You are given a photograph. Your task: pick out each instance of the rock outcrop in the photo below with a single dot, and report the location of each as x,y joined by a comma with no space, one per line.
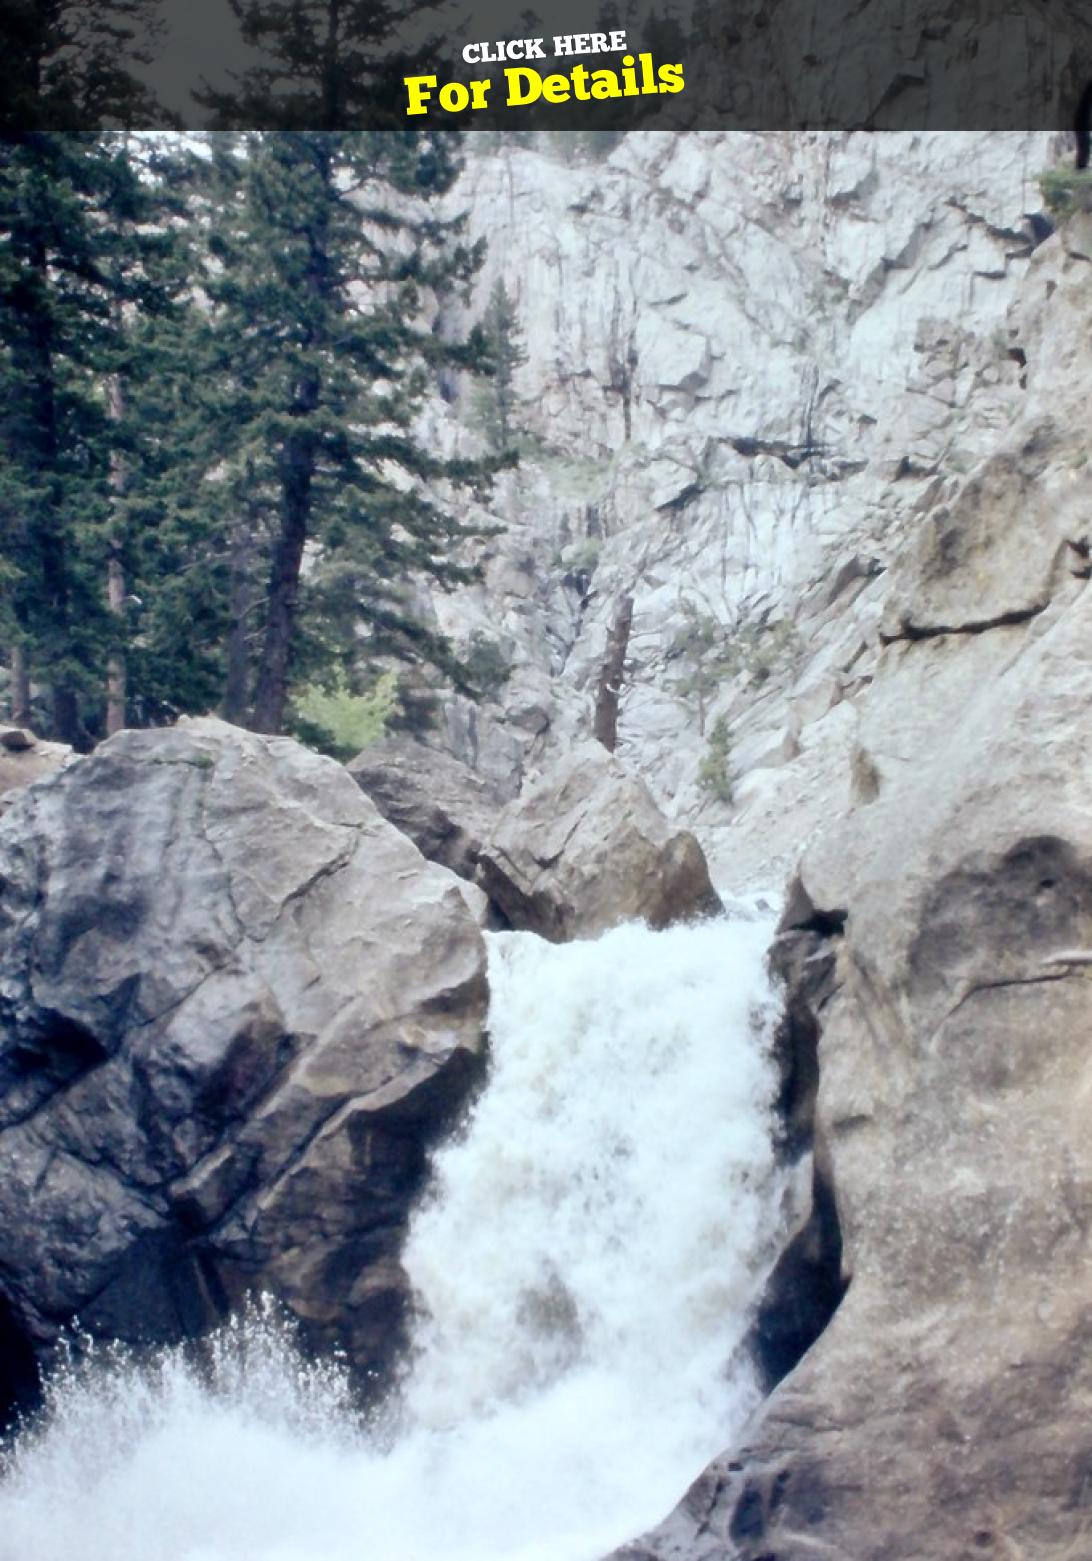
444,806
584,848
944,1413
235,1005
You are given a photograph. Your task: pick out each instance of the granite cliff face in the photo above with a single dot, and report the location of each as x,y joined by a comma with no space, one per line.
938,935
752,363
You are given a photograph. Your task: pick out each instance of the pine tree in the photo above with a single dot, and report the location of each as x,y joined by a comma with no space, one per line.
75,64
327,64
497,401
213,488
75,268
325,250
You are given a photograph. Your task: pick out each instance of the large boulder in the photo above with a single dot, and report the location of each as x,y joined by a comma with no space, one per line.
939,938
585,847
444,806
235,1003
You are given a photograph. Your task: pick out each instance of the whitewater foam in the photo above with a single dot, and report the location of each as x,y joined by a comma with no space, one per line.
586,1264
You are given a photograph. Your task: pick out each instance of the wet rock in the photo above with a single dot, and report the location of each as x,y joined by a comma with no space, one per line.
235,1005
584,847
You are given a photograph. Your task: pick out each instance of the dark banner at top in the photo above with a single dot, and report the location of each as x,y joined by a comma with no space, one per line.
605,65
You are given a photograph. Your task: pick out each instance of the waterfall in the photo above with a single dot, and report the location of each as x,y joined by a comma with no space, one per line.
586,1261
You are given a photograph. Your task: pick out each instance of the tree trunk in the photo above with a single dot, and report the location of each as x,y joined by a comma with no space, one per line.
20,687
242,599
298,461
115,581
282,597
115,667
52,542
609,688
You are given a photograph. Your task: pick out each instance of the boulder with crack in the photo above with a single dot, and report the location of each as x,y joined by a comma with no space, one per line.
235,1004
444,806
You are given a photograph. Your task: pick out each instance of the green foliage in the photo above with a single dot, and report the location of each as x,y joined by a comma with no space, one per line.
706,655
330,64
714,771
580,561
67,64
1066,190
761,647
487,667
496,403
80,264
321,362
211,369
341,723
711,653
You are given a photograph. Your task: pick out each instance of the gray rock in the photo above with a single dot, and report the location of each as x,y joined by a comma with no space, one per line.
584,847
235,1004
444,806
944,1411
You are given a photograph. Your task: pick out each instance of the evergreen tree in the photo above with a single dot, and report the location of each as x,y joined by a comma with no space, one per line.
324,249
326,64
213,487
76,262
74,64
498,403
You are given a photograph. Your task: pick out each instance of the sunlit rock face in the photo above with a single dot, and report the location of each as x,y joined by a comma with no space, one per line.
820,403
949,902
754,364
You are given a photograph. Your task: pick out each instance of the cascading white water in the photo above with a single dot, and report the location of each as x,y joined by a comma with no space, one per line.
586,1262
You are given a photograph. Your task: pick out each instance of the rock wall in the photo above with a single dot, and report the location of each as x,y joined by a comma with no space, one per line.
820,404
947,911
753,362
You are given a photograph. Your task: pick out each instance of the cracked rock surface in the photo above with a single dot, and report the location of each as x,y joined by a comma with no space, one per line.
756,366
235,1005
946,1411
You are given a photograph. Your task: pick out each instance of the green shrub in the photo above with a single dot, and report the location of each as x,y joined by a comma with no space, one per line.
714,772
1066,190
711,653
487,667
340,723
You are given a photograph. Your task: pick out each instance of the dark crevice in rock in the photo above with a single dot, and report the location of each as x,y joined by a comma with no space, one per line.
911,632
20,1384
793,455
806,1284
803,1292
62,1048
41,1064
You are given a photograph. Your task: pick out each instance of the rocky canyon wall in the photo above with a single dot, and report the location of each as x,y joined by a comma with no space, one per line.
753,363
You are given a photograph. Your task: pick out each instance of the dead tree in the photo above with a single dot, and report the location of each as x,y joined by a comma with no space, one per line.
608,690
